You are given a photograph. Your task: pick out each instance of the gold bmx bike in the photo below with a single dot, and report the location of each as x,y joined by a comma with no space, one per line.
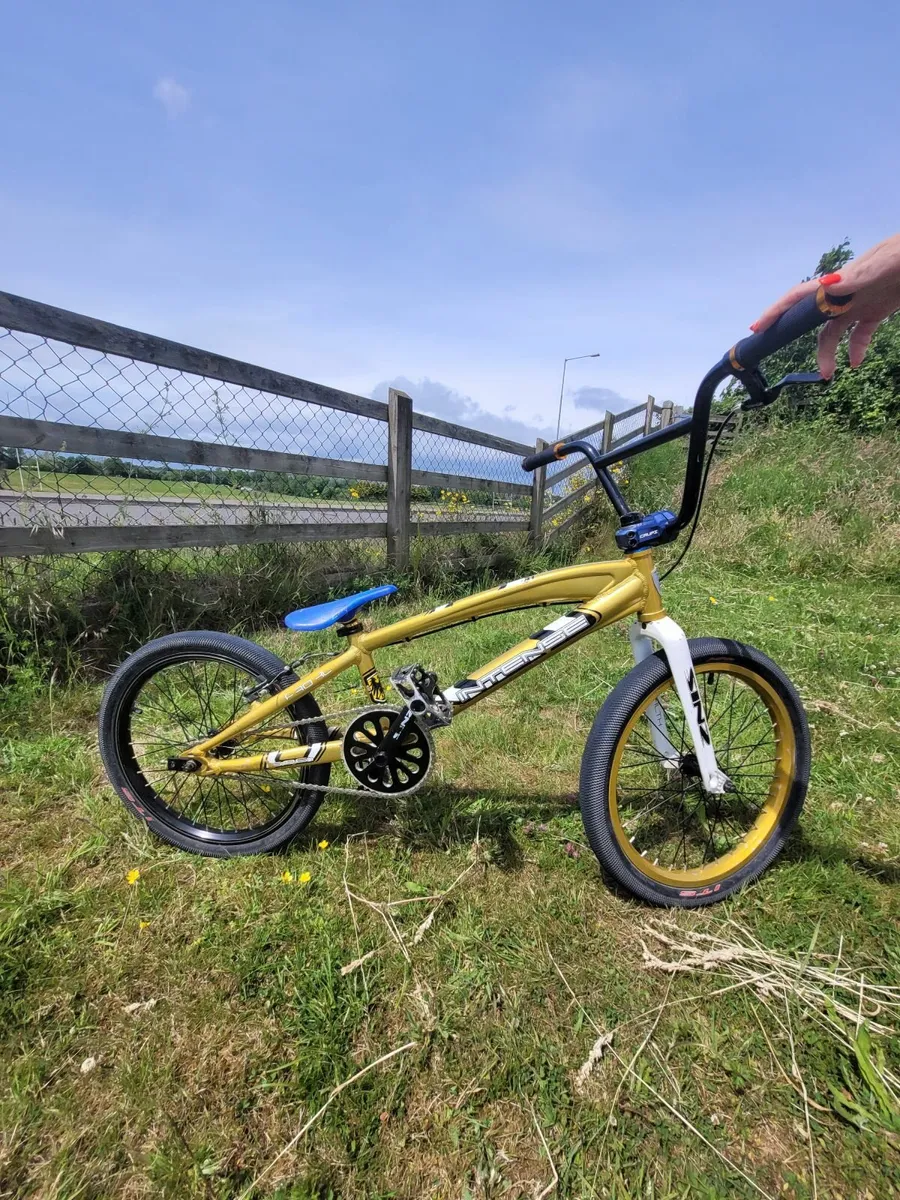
695,769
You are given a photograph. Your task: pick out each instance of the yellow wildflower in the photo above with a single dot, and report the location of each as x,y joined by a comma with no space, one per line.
713,600
133,876
324,844
771,597
143,925
287,877
305,877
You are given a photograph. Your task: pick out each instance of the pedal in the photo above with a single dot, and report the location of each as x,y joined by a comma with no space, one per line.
421,694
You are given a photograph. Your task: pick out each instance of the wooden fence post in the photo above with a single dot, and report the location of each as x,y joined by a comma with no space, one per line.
538,484
399,467
665,418
648,416
609,425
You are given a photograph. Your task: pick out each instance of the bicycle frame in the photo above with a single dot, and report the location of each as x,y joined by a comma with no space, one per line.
604,592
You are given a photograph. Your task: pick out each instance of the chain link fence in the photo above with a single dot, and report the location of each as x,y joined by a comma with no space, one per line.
146,485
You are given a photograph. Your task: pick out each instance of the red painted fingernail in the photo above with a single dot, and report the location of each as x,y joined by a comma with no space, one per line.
828,280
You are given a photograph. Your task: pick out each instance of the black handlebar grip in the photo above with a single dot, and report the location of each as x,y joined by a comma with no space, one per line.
544,457
809,313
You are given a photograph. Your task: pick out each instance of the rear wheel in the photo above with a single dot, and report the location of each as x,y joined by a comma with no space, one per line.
647,815
177,691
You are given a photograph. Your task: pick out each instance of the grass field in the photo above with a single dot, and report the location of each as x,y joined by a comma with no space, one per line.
176,1032
30,482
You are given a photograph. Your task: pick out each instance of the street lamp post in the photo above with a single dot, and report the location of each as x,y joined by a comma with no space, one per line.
562,386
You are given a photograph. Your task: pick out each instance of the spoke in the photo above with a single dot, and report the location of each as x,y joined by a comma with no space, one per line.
187,673
730,715
749,695
748,724
215,683
209,696
156,742
237,700
643,791
664,732
179,785
759,745
647,742
682,845
643,756
226,794
756,775
648,812
709,847
159,679
756,769
243,799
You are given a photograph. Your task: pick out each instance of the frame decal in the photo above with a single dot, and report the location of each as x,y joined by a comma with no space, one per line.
546,640
373,685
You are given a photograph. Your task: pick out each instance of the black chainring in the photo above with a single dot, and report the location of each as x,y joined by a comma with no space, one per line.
392,775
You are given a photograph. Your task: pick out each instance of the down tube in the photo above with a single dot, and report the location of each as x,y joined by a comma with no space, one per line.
611,606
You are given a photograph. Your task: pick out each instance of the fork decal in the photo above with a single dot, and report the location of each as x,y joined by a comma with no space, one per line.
698,707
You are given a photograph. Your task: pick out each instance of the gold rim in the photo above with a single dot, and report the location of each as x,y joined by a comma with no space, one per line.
756,753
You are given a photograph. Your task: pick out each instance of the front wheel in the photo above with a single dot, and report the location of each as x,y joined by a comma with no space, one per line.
647,816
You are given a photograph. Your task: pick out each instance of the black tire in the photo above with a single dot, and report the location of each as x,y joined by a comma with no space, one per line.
606,746
145,801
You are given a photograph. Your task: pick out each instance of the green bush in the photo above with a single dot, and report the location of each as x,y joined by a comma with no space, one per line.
867,397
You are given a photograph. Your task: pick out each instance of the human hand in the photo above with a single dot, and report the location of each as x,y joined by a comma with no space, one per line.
874,281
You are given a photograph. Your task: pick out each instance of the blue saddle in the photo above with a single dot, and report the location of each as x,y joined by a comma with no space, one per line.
320,616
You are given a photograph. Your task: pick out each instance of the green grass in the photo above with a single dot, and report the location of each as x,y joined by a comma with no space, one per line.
254,1023
28,481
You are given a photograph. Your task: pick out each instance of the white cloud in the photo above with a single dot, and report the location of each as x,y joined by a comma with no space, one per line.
602,398
436,398
172,96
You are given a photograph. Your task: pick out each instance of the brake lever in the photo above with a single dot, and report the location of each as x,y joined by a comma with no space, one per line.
760,395
798,377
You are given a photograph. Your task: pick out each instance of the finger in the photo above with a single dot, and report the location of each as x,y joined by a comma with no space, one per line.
788,300
859,340
829,336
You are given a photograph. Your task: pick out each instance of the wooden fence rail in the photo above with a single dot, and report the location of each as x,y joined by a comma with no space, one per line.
46,531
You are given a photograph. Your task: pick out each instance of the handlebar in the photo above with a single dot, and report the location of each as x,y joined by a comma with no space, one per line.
544,457
741,361
807,314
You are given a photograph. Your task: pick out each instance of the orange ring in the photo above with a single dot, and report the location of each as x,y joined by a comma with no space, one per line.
829,307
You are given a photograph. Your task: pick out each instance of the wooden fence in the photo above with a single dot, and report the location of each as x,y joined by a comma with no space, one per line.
539,505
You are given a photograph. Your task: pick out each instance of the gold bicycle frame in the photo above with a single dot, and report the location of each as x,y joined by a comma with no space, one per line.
605,592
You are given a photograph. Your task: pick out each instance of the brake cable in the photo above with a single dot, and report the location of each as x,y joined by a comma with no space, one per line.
687,545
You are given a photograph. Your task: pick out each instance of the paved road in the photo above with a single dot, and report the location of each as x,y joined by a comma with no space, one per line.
48,509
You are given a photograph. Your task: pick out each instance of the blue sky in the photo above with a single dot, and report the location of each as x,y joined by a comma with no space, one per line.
467,193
